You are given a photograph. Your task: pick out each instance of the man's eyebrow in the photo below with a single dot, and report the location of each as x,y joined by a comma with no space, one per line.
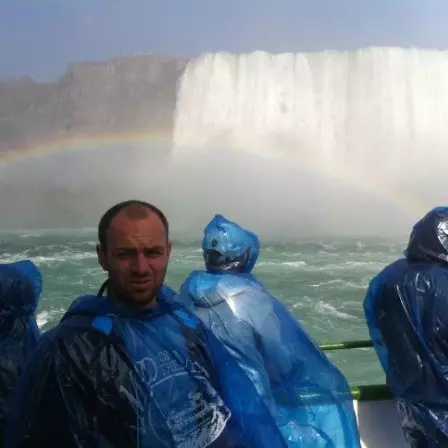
125,249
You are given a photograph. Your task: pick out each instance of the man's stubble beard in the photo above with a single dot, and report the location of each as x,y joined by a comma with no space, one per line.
119,294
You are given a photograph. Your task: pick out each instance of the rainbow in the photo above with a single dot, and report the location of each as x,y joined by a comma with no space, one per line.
80,143
87,142
367,183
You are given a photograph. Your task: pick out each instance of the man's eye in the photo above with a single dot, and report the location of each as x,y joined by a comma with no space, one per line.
123,255
153,253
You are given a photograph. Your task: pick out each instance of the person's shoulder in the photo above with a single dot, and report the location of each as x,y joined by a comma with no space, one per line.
198,283
198,276
238,284
394,273
66,333
405,279
89,305
84,332
404,272
84,350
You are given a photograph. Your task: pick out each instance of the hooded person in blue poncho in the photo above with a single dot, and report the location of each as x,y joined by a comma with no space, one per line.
406,308
133,369
308,396
20,288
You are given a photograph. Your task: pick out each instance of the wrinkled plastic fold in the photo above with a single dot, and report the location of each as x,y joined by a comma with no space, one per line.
20,287
110,377
307,396
406,308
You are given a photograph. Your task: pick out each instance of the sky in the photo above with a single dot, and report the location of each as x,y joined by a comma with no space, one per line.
39,38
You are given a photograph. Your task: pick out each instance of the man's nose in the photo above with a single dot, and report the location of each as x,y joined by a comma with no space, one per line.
140,265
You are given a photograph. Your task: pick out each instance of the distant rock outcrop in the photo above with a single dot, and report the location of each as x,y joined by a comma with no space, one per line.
133,93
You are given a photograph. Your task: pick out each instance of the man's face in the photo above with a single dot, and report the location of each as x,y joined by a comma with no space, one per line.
136,258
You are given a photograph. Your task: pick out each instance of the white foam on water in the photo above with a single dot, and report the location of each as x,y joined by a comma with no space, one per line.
328,309
43,318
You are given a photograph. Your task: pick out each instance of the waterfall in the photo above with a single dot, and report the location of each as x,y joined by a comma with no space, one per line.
377,118
374,106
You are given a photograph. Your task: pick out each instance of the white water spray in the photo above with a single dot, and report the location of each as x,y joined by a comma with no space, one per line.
377,113
356,144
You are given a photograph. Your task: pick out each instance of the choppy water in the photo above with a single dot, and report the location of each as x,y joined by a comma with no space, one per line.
322,282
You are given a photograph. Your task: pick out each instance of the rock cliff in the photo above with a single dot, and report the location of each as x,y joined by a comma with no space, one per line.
133,93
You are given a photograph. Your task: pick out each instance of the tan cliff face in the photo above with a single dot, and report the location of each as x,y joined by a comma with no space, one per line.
129,94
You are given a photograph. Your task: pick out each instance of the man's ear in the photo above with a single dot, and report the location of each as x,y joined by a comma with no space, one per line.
102,260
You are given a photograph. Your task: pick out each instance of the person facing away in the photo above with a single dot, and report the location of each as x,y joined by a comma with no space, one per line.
406,308
132,370
308,396
20,289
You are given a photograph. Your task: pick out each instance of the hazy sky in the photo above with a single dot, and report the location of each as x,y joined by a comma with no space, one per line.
40,37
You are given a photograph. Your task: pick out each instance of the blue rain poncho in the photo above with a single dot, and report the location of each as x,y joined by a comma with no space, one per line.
406,308
109,376
20,288
306,394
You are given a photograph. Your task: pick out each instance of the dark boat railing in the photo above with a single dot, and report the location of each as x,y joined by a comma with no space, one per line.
371,392
329,346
